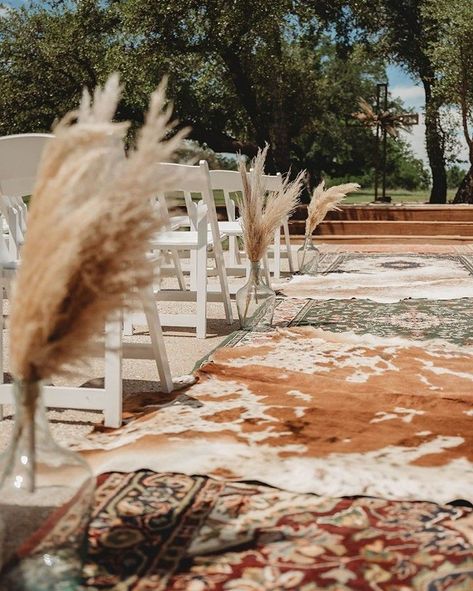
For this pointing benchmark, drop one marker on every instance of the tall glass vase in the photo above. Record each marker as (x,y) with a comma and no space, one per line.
(308,257)
(255,301)
(46,495)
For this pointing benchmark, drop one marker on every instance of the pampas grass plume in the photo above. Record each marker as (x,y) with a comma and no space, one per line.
(89,228)
(261,214)
(325,200)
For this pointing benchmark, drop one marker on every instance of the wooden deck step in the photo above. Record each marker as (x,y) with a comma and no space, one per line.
(427,213)
(388,228)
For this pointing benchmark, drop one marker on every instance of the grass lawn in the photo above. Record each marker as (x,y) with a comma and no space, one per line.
(367,196)
(397,195)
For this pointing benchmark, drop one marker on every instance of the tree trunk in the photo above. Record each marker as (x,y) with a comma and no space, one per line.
(465,190)
(218,141)
(246,93)
(280,140)
(435,148)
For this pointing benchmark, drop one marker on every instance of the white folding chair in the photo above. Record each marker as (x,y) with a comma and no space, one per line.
(201,236)
(19,159)
(275,183)
(17,181)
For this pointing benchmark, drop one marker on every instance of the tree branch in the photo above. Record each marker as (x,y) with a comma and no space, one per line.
(218,141)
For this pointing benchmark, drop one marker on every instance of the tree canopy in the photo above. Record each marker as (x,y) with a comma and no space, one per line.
(240,73)
(451,52)
(405,31)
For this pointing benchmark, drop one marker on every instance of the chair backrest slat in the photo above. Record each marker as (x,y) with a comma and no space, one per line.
(272,182)
(229,182)
(188,179)
(19,159)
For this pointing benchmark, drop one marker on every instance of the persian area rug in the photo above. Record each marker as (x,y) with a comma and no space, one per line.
(449,320)
(386,278)
(312,411)
(181,533)
(443,247)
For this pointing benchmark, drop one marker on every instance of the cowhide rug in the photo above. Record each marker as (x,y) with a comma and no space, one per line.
(312,411)
(386,278)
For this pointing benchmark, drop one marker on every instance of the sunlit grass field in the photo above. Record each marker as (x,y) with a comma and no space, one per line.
(397,195)
(367,196)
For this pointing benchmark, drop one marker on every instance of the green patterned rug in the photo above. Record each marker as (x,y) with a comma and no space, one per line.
(450,320)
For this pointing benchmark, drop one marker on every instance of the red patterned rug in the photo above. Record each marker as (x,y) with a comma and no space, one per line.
(181,533)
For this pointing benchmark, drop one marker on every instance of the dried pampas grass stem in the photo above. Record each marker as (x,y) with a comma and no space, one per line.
(325,200)
(262,214)
(89,228)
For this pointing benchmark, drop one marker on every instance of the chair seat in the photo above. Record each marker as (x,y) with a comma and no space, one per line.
(179,221)
(184,240)
(231,228)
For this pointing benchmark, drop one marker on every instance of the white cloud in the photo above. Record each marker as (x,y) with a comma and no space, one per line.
(416,138)
(412,95)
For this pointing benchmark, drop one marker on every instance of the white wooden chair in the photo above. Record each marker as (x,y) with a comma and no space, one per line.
(229,182)
(275,183)
(17,176)
(19,159)
(198,234)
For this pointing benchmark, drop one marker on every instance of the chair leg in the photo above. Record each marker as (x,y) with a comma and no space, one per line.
(157,340)
(277,254)
(127,327)
(193,274)
(180,275)
(2,289)
(232,249)
(200,270)
(266,270)
(222,274)
(113,372)
(287,240)
(238,253)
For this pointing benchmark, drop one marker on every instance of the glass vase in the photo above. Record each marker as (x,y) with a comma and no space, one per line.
(255,301)
(46,495)
(308,257)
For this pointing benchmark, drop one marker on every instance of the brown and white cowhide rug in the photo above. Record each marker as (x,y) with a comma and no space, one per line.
(386,278)
(312,411)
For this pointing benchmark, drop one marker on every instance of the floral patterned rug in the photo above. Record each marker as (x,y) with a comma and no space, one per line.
(189,533)
(385,278)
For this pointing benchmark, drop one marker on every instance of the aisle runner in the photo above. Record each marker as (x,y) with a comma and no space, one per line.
(182,533)
(386,278)
(312,411)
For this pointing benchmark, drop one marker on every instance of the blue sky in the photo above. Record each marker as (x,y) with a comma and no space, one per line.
(410,90)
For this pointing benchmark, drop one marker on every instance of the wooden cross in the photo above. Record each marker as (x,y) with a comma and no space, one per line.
(386,123)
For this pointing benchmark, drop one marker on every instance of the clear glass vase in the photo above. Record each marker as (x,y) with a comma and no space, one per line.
(255,301)
(46,495)
(308,257)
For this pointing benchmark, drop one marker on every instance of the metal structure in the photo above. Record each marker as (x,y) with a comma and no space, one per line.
(386,123)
